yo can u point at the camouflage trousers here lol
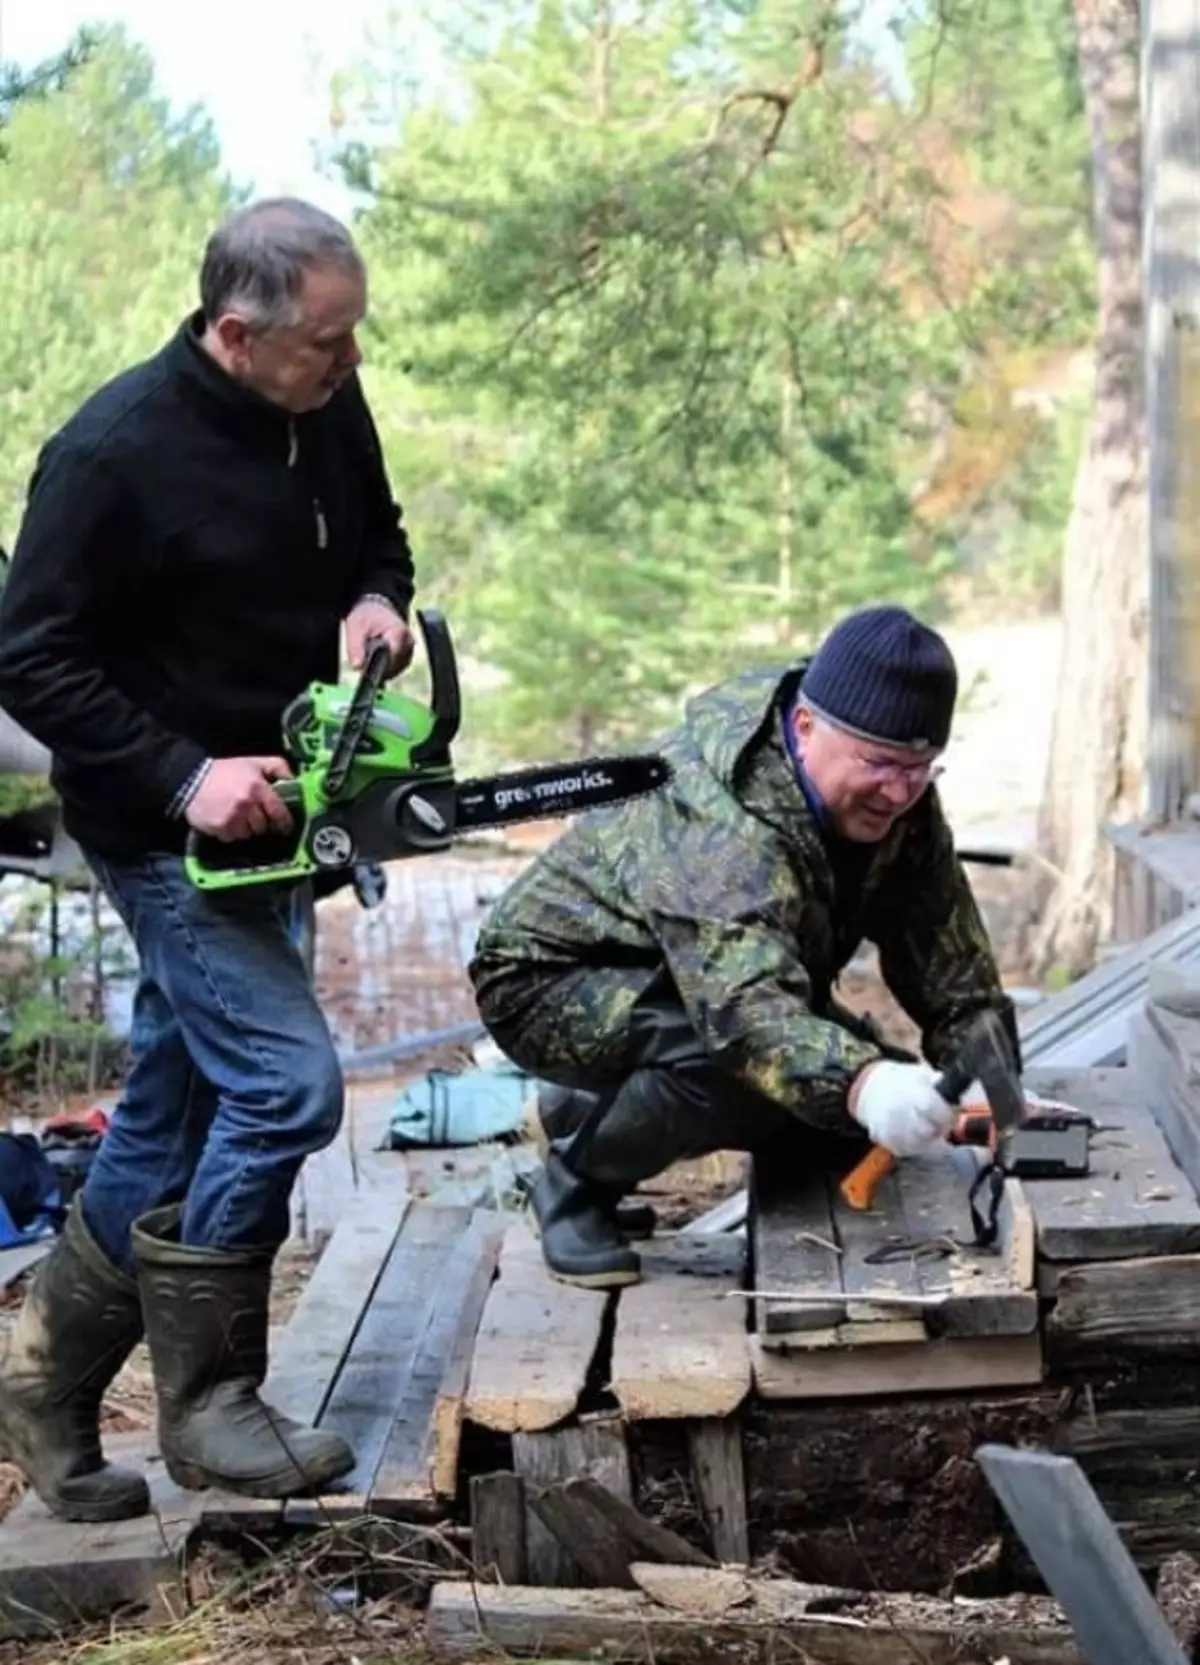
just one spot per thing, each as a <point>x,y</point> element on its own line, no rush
<point>568,1024</point>
<point>622,1034</point>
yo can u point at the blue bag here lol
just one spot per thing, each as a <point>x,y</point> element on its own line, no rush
<point>31,1202</point>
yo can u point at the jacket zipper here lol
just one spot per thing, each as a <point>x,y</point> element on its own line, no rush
<point>322,524</point>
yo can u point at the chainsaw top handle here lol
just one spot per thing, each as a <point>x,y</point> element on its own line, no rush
<point>444,698</point>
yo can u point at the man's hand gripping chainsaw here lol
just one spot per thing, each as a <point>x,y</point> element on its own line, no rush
<point>374,780</point>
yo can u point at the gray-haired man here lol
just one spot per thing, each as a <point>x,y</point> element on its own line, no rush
<point>195,537</point>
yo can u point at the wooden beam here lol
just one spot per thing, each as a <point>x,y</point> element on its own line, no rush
<point>498,1528</point>
<point>719,1476</point>
<point>780,1620</point>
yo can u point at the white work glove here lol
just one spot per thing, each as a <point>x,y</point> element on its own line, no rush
<point>900,1108</point>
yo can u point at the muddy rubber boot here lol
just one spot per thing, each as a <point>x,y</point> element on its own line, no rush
<point>551,1113</point>
<point>581,1242</point>
<point>81,1320</point>
<point>206,1323</point>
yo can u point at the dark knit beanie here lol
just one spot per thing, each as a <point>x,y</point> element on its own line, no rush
<point>886,676</point>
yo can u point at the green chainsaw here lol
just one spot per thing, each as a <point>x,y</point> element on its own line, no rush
<point>374,780</point>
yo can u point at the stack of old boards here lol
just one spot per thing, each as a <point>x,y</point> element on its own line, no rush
<point>783,1398</point>
<point>832,1438</point>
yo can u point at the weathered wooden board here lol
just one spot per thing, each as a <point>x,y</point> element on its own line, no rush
<point>719,1476</point>
<point>54,1574</point>
<point>809,1240</point>
<point>777,1620</point>
<point>1136,1201</point>
<point>594,1447</point>
<point>680,1348</point>
<point>375,1385</point>
<point>498,1542</point>
<point>1164,1053</point>
<point>793,1247</point>
<point>605,1534</point>
<point>306,1357</point>
<point>535,1344</point>
<point>979,1293</point>
<point>1122,1311</point>
<point>946,1365</point>
<point>419,1465</point>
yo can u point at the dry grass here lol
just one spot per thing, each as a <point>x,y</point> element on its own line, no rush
<point>319,1603</point>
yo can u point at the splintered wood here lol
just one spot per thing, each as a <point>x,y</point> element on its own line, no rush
<point>535,1345</point>
<point>680,1347</point>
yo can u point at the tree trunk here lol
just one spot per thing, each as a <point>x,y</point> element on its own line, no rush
<point>1098,741</point>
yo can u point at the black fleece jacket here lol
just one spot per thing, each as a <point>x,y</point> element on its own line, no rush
<point>187,553</point>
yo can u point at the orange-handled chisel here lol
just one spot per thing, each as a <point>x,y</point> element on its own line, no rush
<point>983,1054</point>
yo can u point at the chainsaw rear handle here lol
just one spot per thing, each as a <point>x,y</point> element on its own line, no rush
<point>857,1190</point>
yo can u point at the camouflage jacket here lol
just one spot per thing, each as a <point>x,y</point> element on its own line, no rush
<point>726,877</point>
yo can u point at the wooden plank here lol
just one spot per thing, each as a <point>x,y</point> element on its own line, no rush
<point>375,1382</point>
<point>928,1366</point>
<point>860,1234</point>
<point>980,1293</point>
<point>306,1358</point>
<point>594,1448</point>
<point>535,1343</point>
<point>969,1292</point>
<point>1080,1555</point>
<point>1164,1051</point>
<point>418,1469</point>
<point>680,1345</point>
<point>1124,1310</point>
<point>793,1246</point>
<point>782,1620</point>
<point>55,1574</point>
<point>1136,1201</point>
<point>498,1528</point>
<point>719,1476</point>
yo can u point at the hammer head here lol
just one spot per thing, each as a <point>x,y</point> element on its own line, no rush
<point>986,1054</point>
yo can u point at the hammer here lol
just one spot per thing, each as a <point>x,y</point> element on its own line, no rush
<point>984,1054</point>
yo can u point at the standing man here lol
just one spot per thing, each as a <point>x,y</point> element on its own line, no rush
<point>196,538</point>
<point>669,963</point>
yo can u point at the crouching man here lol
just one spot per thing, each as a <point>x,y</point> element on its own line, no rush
<point>666,967</point>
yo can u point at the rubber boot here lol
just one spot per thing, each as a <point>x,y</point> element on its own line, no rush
<point>81,1320</point>
<point>551,1113</point>
<point>581,1241</point>
<point>206,1323</point>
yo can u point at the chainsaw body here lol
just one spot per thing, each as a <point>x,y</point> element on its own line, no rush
<point>374,780</point>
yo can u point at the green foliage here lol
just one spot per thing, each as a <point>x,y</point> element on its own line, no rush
<point>679,314</point>
<point>680,307</point>
<point>106,201</point>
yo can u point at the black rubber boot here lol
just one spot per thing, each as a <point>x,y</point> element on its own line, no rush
<point>81,1320</point>
<point>206,1323</point>
<point>556,1113</point>
<point>581,1241</point>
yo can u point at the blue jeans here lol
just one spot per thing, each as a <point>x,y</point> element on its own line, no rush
<point>234,1078</point>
